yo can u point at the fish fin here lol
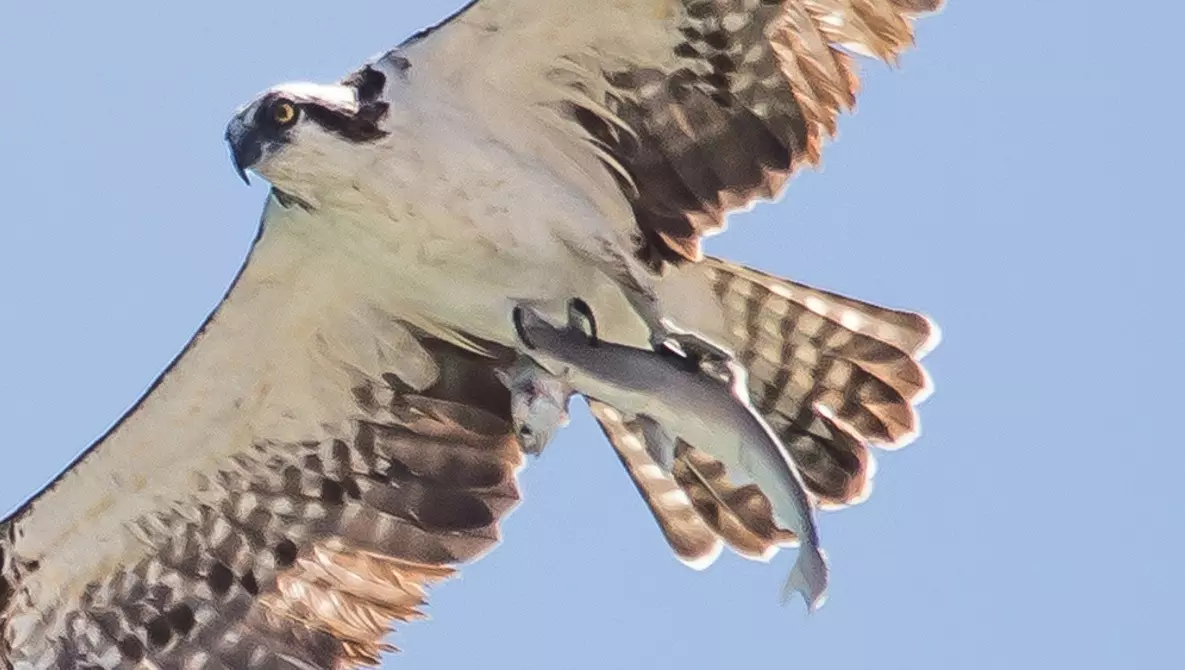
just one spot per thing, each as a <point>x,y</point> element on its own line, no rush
<point>808,577</point>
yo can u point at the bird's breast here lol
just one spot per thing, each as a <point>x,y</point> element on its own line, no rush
<point>458,227</point>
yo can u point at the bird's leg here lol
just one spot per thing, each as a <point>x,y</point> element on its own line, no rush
<point>663,333</point>
<point>639,291</point>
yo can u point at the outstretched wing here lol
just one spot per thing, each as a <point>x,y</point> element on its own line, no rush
<point>287,490</point>
<point>698,107</point>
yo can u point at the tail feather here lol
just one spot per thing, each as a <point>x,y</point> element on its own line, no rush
<point>831,375</point>
<point>740,515</point>
<point>836,467</point>
<point>912,333</point>
<point>686,530</point>
<point>695,505</point>
<point>791,388</point>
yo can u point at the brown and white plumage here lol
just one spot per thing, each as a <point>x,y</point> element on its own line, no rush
<point>335,439</point>
<point>833,376</point>
<point>699,106</point>
<point>245,515</point>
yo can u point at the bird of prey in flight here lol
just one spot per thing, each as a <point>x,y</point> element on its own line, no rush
<point>336,437</point>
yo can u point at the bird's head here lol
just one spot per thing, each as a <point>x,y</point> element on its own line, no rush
<point>302,138</point>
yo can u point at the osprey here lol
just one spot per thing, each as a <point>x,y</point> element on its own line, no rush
<point>336,437</point>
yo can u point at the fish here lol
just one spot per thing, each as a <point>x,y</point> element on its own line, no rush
<point>538,403</point>
<point>701,401</point>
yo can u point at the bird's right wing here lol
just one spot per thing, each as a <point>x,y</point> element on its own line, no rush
<point>698,107</point>
<point>284,493</point>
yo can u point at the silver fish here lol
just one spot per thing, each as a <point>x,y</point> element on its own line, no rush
<point>706,407</point>
<point>538,403</point>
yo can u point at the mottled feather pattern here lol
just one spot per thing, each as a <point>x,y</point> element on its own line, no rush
<point>740,515</point>
<point>697,508</point>
<point>831,375</point>
<point>692,539</point>
<point>311,551</point>
<point>302,554</point>
<point>753,90</point>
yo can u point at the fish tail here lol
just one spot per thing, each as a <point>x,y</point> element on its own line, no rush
<point>808,577</point>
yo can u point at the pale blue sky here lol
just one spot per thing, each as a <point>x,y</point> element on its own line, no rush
<point>1018,179</point>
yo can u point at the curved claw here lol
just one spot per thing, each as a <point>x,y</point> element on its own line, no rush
<point>700,349</point>
<point>580,313</point>
<point>689,362</point>
<point>520,328</point>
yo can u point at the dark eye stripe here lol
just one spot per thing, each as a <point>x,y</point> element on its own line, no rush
<point>369,83</point>
<point>358,127</point>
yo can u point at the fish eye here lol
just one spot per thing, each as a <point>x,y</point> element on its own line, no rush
<point>283,113</point>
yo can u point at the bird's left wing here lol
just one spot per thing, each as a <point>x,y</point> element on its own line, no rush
<point>285,492</point>
<point>697,107</point>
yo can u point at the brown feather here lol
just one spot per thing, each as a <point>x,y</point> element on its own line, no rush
<point>831,375</point>
<point>312,551</point>
<point>749,97</point>
<point>692,540</point>
<point>695,505</point>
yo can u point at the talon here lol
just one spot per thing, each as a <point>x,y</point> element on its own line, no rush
<point>660,340</point>
<point>700,349</point>
<point>520,328</point>
<point>579,310</point>
<point>661,346</point>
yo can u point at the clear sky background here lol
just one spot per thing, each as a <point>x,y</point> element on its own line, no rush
<point>1019,178</point>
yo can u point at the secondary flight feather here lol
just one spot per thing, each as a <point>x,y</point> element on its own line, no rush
<point>336,437</point>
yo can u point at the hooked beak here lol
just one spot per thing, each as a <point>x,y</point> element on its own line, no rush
<point>246,147</point>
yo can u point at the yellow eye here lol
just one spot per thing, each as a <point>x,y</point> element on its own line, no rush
<point>283,112</point>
